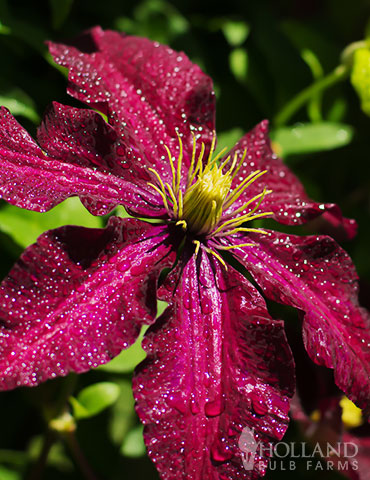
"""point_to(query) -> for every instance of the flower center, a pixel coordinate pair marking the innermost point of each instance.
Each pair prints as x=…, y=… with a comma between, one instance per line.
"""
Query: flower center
x=204, y=200
x=201, y=205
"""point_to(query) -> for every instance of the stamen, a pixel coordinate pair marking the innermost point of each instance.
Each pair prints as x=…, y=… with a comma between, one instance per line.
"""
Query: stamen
x=214, y=160
x=213, y=213
x=192, y=156
x=162, y=195
x=239, y=164
x=181, y=204
x=242, y=229
x=172, y=195
x=172, y=167
x=219, y=258
x=243, y=207
x=242, y=187
x=222, y=247
x=183, y=224
x=179, y=163
x=235, y=222
x=197, y=246
x=197, y=167
x=199, y=207
x=213, y=144
x=225, y=162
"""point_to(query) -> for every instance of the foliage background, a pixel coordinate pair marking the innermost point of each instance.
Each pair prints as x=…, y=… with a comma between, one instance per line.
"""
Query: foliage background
x=260, y=55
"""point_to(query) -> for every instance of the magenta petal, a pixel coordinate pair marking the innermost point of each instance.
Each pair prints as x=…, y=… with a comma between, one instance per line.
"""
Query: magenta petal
x=82, y=137
x=31, y=179
x=315, y=275
x=147, y=89
x=217, y=365
x=77, y=298
x=288, y=200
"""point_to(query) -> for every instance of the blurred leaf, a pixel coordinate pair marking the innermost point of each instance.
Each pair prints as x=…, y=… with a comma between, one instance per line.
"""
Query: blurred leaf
x=6, y=474
x=25, y=226
x=367, y=29
x=4, y=30
x=128, y=359
x=155, y=19
x=133, y=445
x=338, y=110
x=19, y=103
x=314, y=105
x=360, y=77
x=57, y=456
x=313, y=62
x=94, y=399
x=228, y=139
x=31, y=35
x=123, y=415
x=63, y=70
x=4, y=17
x=235, y=32
x=59, y=11
x=305, y=138
x=238, y=60
x=303, y=36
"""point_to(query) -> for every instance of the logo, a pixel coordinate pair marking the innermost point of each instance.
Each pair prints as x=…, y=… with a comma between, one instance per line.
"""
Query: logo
x=248, y=446
x=284, y=456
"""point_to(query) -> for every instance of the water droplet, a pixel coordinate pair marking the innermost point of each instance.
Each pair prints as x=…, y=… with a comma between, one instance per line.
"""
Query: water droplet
x=178, y=403
x=258, y=405
x=194, y=405
x=122, y=267
x=214, y=408
x=206, y=305
x=220, y=452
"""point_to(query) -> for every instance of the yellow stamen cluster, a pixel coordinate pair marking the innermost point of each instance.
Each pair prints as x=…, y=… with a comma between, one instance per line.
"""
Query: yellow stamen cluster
x=199, y=206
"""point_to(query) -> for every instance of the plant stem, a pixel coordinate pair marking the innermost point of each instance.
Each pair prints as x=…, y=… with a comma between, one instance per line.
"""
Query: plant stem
x=39, y=467
x=51, y=435
x=337, y=75
x=79, y=457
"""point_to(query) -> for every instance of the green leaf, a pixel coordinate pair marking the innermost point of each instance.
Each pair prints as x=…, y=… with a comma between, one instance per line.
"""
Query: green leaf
x=133, y=445
x=57, y=456
x=94, y=399
x=304, y=36
x=63, y=70
x=337, y=110
x=59, y=11
x=123, y=415
x=19, y=103
x=305, y=138
x=360, y=77
x=155, y=19
x=228, y=139
x=6, y=474
x=25, y=226
x=128, y=359
x=238, y=60
x=235, y=32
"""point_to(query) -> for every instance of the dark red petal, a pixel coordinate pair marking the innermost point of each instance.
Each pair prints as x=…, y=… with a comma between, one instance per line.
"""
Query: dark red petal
x=147, y=89
x=217, y=365
x=288, y=200
x=77, y=298
x=315, y=275
x=31, y=179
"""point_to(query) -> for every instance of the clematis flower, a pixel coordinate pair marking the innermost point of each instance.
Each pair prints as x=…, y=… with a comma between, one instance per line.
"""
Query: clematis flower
x=217, y=363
